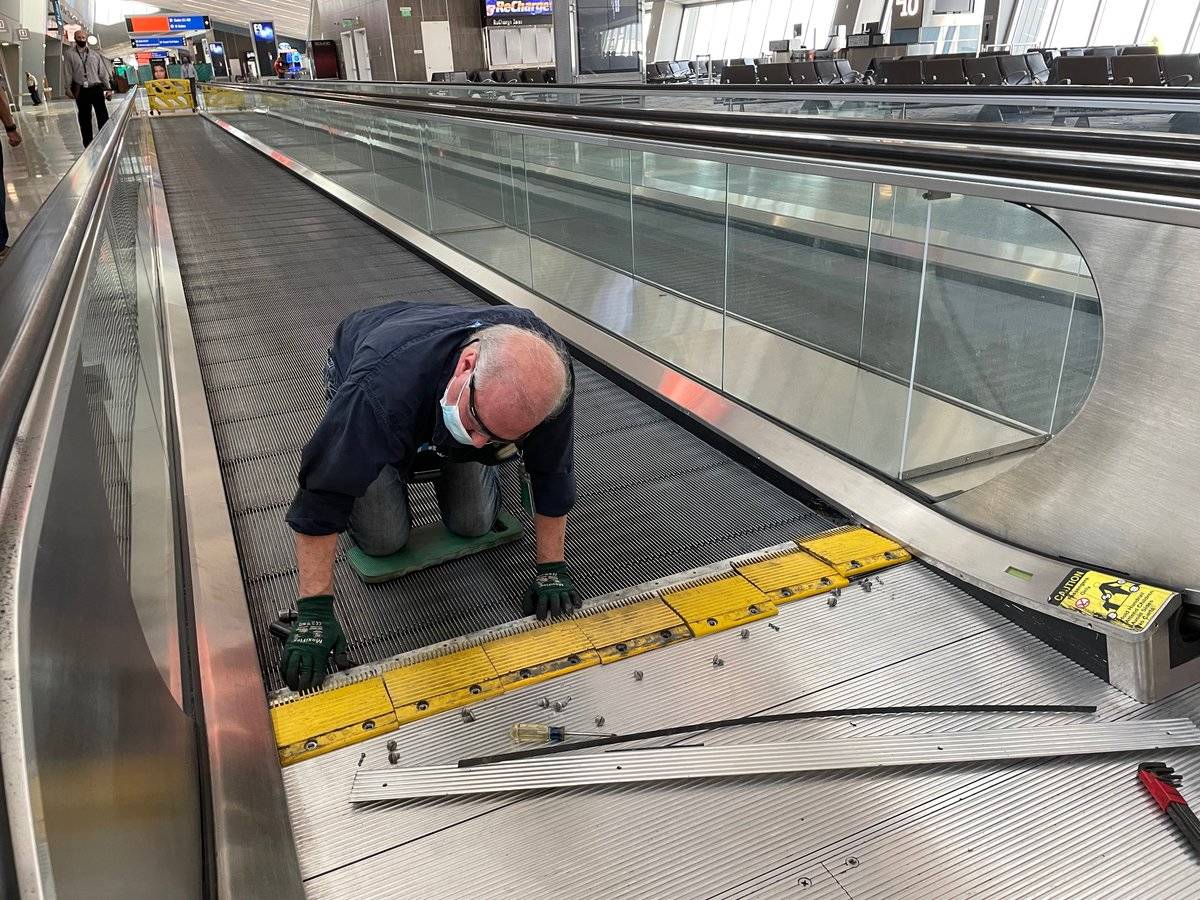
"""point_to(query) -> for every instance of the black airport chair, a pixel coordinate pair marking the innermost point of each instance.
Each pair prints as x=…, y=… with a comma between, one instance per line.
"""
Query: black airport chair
x=680, y=70
x=847, y=73
x=1100, y=51
x=802, y=72
x=1141, y=70
x=549, y=76
x=1081, y=70
x=945, y=71
x=983, y=71
x=827, y=71
x=1013, y=70
x=738, y=75
x=1139, y=51
x=1181, y=69
x=530, y=76
x=774, y=73
x=908, y=70
x=1038, y=67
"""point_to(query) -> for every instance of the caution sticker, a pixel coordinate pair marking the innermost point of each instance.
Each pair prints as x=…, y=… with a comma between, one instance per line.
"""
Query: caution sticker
x=1129, y=604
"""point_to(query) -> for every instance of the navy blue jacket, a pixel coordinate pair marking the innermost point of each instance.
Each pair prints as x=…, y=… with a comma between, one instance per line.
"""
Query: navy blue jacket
x=390, y=366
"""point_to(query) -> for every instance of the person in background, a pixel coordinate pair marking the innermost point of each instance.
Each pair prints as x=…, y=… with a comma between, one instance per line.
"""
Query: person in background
x=90, y=81
x=31, y=83
x=279, y=66
x=14, y=140
x=188, y=70
x=46, y=88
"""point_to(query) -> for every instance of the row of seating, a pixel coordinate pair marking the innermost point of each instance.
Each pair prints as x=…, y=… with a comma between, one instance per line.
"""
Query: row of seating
x=676, y=71
x=1010, y=69
x=498, y=76
x=823, y=71
x=1145, y=70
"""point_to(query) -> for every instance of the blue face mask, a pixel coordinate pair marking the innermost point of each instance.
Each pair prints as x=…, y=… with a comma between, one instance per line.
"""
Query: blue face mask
x=452, y=419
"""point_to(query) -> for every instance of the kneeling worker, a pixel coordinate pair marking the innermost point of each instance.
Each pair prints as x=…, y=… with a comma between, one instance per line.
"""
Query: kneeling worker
x=420, y=379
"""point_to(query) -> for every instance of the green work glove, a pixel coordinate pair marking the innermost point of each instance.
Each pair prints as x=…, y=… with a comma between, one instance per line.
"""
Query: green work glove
x=315, y=635
x=552, y=592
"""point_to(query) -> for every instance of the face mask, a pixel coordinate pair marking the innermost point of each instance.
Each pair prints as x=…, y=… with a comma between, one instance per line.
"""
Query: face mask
x=453, y=420
x=82, y=43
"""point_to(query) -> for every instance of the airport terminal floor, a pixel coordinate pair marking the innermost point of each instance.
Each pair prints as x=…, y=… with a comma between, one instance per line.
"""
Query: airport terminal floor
x=851, y=435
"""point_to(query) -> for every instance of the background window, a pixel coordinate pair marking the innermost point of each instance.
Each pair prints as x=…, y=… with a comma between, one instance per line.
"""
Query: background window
x=1167, y=25
x=1119, y=22
x=1074, y=23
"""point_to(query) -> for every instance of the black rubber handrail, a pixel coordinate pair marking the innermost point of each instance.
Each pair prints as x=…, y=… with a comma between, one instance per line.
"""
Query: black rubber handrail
x=1124, y=163
x=1057, y=93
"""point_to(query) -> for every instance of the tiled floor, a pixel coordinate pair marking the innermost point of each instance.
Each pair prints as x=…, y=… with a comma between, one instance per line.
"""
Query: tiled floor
x=51, y=144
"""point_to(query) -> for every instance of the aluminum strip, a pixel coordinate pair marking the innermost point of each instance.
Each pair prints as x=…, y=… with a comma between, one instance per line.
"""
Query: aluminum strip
x=937, y=748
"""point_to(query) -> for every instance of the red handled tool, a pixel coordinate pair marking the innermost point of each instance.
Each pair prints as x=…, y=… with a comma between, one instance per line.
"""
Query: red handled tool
x=1163, y=784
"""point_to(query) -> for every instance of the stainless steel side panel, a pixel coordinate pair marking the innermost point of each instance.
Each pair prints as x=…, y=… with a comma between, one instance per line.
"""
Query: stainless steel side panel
x=1119, y=487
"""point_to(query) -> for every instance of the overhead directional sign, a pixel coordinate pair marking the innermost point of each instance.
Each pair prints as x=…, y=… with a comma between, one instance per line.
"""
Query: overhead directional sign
x=165, y=41
x=159, y=24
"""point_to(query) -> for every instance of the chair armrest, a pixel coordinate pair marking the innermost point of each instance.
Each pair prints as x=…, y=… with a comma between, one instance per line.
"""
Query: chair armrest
x=1127, y=82
x=1065, y=81
x=1179, y=81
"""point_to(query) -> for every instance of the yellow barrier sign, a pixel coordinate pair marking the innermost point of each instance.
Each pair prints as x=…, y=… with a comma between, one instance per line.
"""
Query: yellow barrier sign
x=169, y=94
x=222, y=98
x=1129, y=604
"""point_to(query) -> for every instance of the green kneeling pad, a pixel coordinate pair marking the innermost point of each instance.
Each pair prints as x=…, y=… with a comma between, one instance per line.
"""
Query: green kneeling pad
x=430, y=545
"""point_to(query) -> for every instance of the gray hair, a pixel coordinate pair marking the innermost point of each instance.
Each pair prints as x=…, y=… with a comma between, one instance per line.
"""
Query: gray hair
x=529, y=363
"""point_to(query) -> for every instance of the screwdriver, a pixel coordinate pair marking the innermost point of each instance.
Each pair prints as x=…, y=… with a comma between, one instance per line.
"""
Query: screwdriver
x=541, y=733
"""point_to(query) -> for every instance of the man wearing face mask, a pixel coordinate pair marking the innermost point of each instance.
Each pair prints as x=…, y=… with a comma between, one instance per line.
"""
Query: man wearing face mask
x=90, y=83
x=411, y=383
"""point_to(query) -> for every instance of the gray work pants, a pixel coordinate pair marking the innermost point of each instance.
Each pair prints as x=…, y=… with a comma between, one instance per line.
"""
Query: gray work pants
x=468, y=496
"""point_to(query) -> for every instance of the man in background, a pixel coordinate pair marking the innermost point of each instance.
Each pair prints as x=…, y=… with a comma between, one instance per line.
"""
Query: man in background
x=14, y=140
x=89, y=80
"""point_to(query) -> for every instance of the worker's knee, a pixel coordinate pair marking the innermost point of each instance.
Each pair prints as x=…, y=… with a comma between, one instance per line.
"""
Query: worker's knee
x=380, y=544
x=469, y=523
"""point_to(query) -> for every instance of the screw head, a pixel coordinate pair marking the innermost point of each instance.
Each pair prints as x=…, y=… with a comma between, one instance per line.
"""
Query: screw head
x=393, y=757
x=475, y=689
x=753, y=610
x=711, y=623
x=525, y=673
x=573, y=659
x=852, y=861
x=368, y=725
x=544, y=703
x=832, y=601
x=785, y=592
x=391, y=745
x=622, y=648
x=422, y=705
x=467, y=716
x=804, y=882
x=744, y=634
x=310, y=744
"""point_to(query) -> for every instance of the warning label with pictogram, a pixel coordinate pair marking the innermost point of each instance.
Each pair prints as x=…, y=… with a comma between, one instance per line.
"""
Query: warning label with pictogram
x=1129, y=604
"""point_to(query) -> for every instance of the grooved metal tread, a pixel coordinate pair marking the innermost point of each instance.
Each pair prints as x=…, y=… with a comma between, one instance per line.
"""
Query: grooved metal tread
x=265, y=290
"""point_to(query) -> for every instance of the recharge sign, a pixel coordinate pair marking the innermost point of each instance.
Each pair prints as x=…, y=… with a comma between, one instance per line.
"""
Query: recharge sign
x=1129, y=604
x=516, y=12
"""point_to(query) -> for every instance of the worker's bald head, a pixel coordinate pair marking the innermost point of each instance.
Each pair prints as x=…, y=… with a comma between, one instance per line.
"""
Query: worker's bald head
x=521, y=379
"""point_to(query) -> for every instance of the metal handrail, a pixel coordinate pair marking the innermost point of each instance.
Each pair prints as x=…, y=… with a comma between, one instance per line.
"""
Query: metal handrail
x=35, y=276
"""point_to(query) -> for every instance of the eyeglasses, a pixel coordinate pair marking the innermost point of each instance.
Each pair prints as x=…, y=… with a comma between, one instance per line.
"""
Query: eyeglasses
x=491, y=435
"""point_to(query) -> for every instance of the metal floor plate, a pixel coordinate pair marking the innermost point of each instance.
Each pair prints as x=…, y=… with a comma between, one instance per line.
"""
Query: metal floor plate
x=270, y=267
x=1056, y=828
